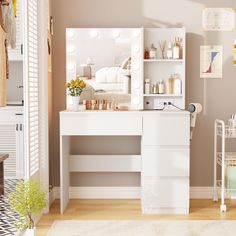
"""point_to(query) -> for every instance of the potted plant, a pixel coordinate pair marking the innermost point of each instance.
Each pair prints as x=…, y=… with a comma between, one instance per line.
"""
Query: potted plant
x=75, y=88
x=27, y=201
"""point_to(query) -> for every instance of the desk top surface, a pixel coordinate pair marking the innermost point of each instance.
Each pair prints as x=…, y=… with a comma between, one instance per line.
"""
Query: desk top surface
x=126, y=112
x=3, y=157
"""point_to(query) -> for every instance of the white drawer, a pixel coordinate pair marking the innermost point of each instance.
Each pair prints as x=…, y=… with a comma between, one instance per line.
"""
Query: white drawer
x=166, y=129
x=11, y=116
x=165, y=162
x=73, y=123
x=165, y=193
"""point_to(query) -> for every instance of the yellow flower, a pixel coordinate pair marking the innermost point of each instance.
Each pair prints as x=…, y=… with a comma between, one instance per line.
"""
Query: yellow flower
x=82, y=84
x=67, y=85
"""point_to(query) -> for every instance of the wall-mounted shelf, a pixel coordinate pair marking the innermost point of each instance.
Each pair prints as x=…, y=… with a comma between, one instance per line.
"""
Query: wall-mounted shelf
x=163, y=95
x=163, y=60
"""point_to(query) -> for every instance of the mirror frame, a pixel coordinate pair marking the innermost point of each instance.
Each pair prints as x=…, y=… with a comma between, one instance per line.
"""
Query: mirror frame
x=136, y=36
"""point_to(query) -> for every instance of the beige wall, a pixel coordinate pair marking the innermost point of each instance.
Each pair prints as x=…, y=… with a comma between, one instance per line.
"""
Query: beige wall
x=217, y=95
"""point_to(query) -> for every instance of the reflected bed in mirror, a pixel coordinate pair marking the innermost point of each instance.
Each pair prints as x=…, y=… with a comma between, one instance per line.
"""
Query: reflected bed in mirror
x=104, y=59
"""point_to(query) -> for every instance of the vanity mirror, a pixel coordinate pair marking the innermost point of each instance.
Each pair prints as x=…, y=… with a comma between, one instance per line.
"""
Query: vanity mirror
x=109, y=60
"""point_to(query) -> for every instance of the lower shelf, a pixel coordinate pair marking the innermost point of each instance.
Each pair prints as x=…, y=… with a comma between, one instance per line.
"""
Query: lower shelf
x=230, y=158
x=229, y=192
x=105, y=163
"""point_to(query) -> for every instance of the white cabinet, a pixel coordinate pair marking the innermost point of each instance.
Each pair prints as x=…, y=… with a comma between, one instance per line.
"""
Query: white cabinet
x=16, y=54
x=11, y=142
x=165, y=163
x=163, y=69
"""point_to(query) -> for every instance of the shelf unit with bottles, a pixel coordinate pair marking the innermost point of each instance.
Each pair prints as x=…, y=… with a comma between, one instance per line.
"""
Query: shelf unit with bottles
x=161, y=69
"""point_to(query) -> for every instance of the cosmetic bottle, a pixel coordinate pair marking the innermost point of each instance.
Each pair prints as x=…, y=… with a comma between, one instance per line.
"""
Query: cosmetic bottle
x=93, y=104
x=177, y=85
x=108, y=106
x=176, y=51
x=100, y=107
x=169, y=52
x=171, y=85
x=146, y=53
x=147, y=86
x=88, y=105
x=155, y=88
x=161, y=87
x=153, y=52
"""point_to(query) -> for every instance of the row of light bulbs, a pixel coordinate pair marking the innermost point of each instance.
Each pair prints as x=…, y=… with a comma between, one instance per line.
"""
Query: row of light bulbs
x=95, y=33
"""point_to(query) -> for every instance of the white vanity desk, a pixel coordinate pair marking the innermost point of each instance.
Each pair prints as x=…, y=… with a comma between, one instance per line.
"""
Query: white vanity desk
x=164, y=159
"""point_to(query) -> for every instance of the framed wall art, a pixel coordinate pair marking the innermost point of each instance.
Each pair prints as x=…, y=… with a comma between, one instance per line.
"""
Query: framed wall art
x=211, y=61
x=218, y=19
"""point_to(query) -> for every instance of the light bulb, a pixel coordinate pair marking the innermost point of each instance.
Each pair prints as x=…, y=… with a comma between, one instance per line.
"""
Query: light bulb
x=136, y=48
x=136, y=101
x=136, y=84
x=135, y=66
x=136, y=33
x=71, y=33
x=93, y=34
x=116, y=33
x=70, y=66
x=71, y=49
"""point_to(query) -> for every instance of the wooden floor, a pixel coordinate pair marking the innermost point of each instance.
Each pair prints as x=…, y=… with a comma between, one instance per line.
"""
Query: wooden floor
x=129, y=210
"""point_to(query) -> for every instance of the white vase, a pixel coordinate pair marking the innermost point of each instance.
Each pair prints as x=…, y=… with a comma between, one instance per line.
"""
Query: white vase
x=75, y=103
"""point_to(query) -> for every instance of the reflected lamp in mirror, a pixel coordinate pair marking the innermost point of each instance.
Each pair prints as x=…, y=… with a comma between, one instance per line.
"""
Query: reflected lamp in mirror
x=87, y=68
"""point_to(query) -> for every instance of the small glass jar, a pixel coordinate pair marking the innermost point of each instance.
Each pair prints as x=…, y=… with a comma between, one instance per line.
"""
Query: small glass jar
x=153, y=52
x=93, y=104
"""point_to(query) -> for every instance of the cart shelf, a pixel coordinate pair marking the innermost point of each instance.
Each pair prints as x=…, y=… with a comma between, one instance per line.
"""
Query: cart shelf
x=225, y=160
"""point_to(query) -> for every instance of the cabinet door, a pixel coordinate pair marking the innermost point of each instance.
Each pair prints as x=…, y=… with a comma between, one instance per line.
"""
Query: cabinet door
x=8, y=145
x=16, y=54
x=166, y=129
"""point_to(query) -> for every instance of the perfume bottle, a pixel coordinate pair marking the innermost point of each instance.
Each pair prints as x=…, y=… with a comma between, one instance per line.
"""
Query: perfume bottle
x=146, y=53
x=161, y=87
x=153, y=52
x=169, y=53
x=177, y=84
x=176, y=51
x=147, y=86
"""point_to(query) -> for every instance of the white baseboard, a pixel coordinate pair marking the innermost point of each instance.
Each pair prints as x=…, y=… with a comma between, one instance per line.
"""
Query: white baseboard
x=201, y=192
x=122, y=193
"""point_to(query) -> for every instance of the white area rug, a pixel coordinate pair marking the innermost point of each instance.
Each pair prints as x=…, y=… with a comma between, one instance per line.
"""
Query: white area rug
x=143, y=228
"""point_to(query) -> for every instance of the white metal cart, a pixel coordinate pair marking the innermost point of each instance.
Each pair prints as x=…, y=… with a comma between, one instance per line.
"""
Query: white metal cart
x=223, y=159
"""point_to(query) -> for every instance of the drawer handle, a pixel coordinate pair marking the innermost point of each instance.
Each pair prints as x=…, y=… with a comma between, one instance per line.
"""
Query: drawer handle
x=17, y=127
x=21, y=127
x=19, y=114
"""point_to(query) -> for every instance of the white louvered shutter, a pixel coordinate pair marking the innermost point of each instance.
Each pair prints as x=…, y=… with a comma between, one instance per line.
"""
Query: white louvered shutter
x=16, y=54
x=32, y=89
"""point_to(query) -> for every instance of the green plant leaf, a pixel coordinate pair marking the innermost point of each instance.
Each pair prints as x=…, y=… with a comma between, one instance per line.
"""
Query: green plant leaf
x=27, y=200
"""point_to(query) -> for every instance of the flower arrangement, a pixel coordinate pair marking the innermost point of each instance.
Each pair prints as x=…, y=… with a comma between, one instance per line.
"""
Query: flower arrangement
x=75, y=87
